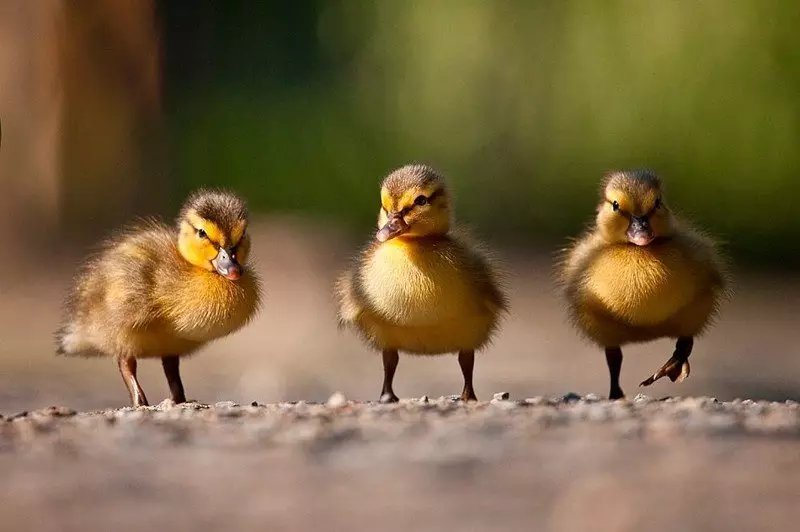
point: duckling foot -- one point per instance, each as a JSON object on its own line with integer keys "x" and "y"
{"x": 466, "y": 359}
{"x": 127, "y": 368}
{"x": 390, "y": 360}
{"x": 616, "y": 393}
{"x": 614, "y": 361}
{"x": 172, "y": 372}
{"x": 677, "y": 367}
{"x": 468, "y": 395}
{"x": 389, "y": 397}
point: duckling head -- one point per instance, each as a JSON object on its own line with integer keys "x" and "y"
{"x": 632, "y": 210}
{"x": 414, "y": 204}
{"x": 212, "y": 232}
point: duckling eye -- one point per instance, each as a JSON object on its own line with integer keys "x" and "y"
{"x": 421, "y": 200}
{"x": 201, "y": 233}
{"x": 615, "y": 205}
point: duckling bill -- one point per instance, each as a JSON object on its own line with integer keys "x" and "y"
{"x": 419, "y": 287}
{"x": 641, "y": 274}
{"x": 164, "y": 292}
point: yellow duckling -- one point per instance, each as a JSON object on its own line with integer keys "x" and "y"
{"x": 157, "y": 291}
{"x": 642, "y": 274}
{"x": 419, "y": 288}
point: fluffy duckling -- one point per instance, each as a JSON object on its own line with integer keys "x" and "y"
{"x": 158, "y": 291}
{"x": 642, "y": 274}
{"x": 418, "y": 287}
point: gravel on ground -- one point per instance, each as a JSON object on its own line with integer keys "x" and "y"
{"x": 424, "y": 464}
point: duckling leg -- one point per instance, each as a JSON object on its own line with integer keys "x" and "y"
{"x": 127, "y": 368}
{"x": 614, "y": 361}
{"x": 677, "y": 367}
{"x": 390, "y": 360}
{"x": 466, "y": 359}
{"x": 172, "y": 371}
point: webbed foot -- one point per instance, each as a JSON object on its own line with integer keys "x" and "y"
{"x": 677, "y": 367}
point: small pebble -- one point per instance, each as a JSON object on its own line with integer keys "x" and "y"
{"x": 571, "y": 397}
{"x": 337, "y": 400}
{"x": 535, "y": 401}
{"x": 166, "y": 404}
{"x": 502, "y": 396}
{"x": 424, "y": 399}
{"x": 58, "y": 411}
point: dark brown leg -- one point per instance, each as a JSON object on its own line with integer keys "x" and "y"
{"x": 677, "y": 367}
{"x": 466, "y": 359}
{"x": 390, "y": 360}
{"x": 127, "y": 368}
{"x": 172, "y": 371}
{"x": 614, "y": 361}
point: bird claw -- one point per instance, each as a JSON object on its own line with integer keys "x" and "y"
{"x": 677, "y": 370}
{"x": 681, "y": 375}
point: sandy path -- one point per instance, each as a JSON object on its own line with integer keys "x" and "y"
{"x": 691, "y": 464}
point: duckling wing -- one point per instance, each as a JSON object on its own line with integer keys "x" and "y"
{"x": 704, "y": 250}
{"x": 573, "y": 260}
{"x": 349, "y": 303}
{"x": 113, "y": 290}
{"x": 483, "y": 269}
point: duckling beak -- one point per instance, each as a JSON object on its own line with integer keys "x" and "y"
{"x": 639, "y": 231}
{"x": 396, "y": 226}
{"x": 226, "y": 265}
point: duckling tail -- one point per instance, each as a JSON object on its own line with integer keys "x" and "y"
{"x": 59, "y": 339}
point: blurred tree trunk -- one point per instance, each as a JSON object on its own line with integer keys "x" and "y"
{"x": 30, "y": 114}
{"x": 111, "y": 129}
{"x": 80, "y": 110}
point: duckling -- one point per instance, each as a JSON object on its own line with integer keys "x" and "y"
{"x": 157, "y": 291}
{"x": 641, "y": 274}
{"x": 420, "y": 287}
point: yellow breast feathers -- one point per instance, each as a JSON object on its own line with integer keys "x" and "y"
{"x": 642, "y": 286}
{"x": 410, "y": 285}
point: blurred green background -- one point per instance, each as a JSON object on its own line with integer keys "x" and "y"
{"x": 303, "y": 106}
{"x": 112, "y": 108}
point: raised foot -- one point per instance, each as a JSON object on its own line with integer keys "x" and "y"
{"x": 675, "y": 368}
{"x": 389, "y": 397}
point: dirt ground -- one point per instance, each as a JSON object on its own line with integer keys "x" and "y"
{"x": 289, "y": 467}
{"x": 537, "y": 464}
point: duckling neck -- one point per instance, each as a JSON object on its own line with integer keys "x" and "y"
{"x": 411, "y": 240}
{"x": 661, "y": 239}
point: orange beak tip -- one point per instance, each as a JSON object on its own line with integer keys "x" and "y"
{"x": 234, "y": 274}
{"x": 641, "y": 240}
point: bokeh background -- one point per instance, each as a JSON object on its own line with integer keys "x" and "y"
{"x": 117, "y": 108}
